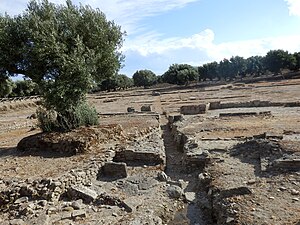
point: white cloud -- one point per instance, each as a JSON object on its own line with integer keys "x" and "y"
{"x": 126, "y": 13}
{"x": 151, "y": 51}
{"x": 294, "y": 7}
{"x": 151, "y": 43}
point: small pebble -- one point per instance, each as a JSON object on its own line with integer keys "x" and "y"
{"x": 294, "y": 192}
{"x": 251, "y": 181}
{"x": 282, "y": 188}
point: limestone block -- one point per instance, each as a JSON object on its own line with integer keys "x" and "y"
{"x": 193, "y": 109}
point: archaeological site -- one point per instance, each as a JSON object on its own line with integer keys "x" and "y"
{"x": 215, "y": 153}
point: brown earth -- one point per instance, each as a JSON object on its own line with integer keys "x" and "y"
{"x": 274, "y": 197}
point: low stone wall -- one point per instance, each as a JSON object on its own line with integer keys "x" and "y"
{"x": 193, "y": 109}
{"x": 148, "y": 150}
{"x": 51, "y": 189}
{"x": 250, "y": 104}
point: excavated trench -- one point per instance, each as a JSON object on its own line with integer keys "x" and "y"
{"x": 192, "y": 212}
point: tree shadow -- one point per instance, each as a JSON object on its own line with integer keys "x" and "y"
{"x": 8, "y": 151}
{"x": 14, "y": 152}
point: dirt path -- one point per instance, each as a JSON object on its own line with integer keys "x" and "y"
{"x": 191, "y": 213}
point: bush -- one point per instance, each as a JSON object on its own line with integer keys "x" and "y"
{"x": 47, "y": 119}
{"x": 82, "y": 115}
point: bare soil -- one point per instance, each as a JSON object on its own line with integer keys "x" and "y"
{"x": 274, "y": 197}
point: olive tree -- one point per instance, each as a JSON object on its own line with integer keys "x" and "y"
{"x": 276, "y": 60}
{"x": 144, "y": 78}
{"x": 65, "y": 49}
{"x": 180, "y": 74}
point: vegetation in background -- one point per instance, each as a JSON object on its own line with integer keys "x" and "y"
{"x": 114, "y": 83}
{"x": 6, "y": 86}
{"x": 180, "y": 74}
{"x": 65, "y": 49}
{"x": 144, "y": 78}
{"x": 276, "y": 60}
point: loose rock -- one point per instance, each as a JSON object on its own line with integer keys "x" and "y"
{"x": 174, "y": 191}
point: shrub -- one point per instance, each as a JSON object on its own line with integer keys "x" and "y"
{"x": 82, "y": 115}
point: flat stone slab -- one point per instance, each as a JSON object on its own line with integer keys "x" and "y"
{"x": 86, "y": 194}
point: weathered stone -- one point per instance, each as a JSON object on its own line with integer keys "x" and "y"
{"x": 150, "y": 156}
{"x": 190, "y": 196}
{"x": 146, "y": 108}
{"x": 235, "y": 191}
{"x": 238, "y": 114}
{"x": 79, "y": 213}
{"x": 68, "y": 209}
{"x": 114, "y": 169}
{"x": 86, "y": 194}
{"x": 204, "y": 179}
{"x": 288, "y": 164}
{"x": 42, "y": 202}
{"x": 52, "y": 210}
{"x": 294, "y": 192}
{"x": 65, "y": 215}
{"x": 16, "y": 222}
{"x": 77, "y": 204}
{"x": 130, "y": 204}
{"x": 155, "y": 93}
{"x": 215, "y": 105}
{"x": 174, "y": 191}
{"x": 147, "y": 183}
{"x": 21, "y": 200}
{"x": 146, "y": 219}
{"x": 162, "y": 176}
{"x": 42, "y": 219}
{"x": 229, "y": 220}
{"x": 193, "y": 109}
{"x": 130, "y": 109}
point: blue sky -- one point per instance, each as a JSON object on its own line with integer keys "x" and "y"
{"x": 163, "y": 32}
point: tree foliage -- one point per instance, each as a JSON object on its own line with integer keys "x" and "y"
{"x": 144, "y": 78}
{"x": 63, "y": 48}
{"x": 255, "y": 65}
{"x": 6, "y": 87}
{"x": 276, "y": 60}
{"x": 208, "y": 71}
{"x": 25, "y": 88}
{"x": 297, "y": 62}
{"x": 238, "y": 66}
{"x": 116, "y": 82}
{"x": 180, "y": 74}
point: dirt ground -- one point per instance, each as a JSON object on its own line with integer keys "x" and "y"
{"x": 274, "y": 197}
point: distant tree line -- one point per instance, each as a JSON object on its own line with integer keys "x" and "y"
{"x": 275, "y": 61}
{"x": 19, "y": 88}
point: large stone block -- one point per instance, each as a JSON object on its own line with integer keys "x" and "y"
{"x": 193, "y": 109}
{"x": 215, "y": 105}
{"x": 146, "y": 108}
